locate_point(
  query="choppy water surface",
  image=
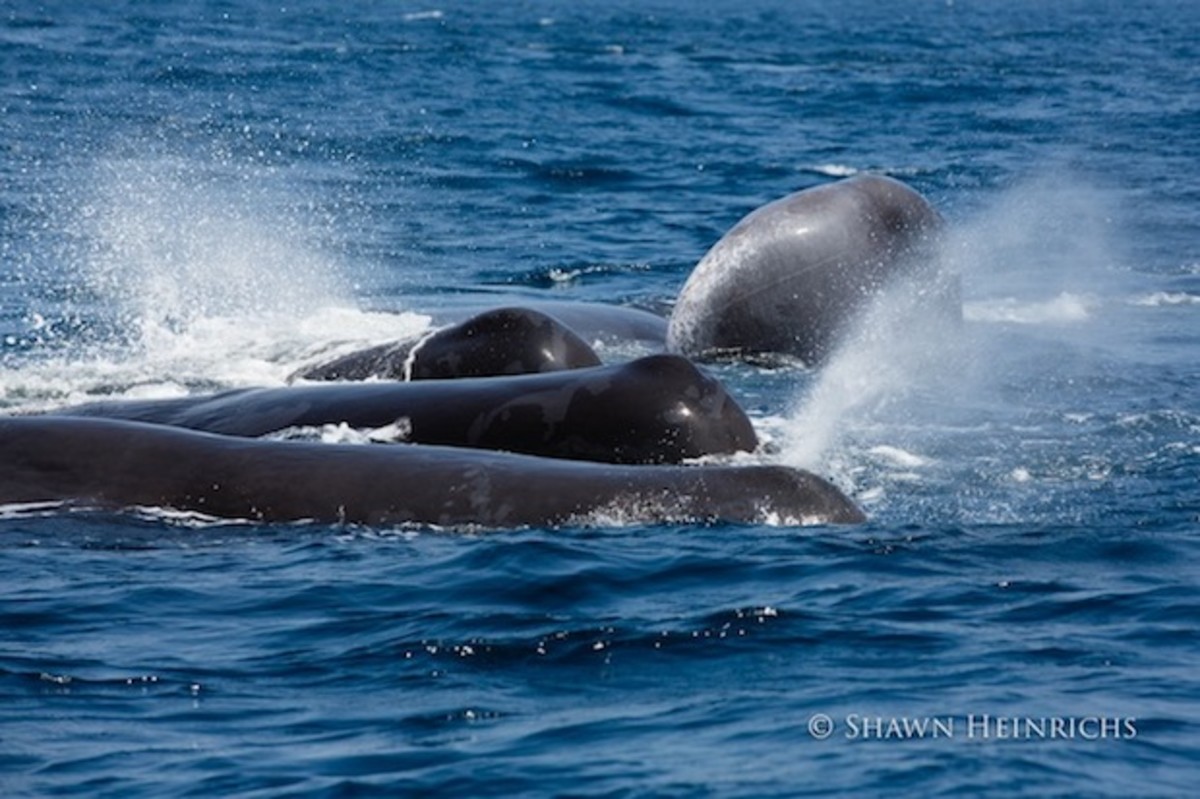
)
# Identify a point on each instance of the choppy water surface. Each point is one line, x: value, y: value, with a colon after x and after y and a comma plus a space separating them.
x: 205, y: 195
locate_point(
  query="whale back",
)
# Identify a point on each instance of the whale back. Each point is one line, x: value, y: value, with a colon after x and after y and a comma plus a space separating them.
x: 790, y: 276
x: 503, y: 341
x: 497, y: 341
x: 114, y: 464
x: 656, y: 409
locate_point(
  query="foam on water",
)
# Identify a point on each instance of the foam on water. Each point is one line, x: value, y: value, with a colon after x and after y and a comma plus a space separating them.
x: 1159, y: 299
x: 397, y: 432
x: 834, y: 170
x: 211, y: 353
x: 899, y: 456
x: 1066, y: 308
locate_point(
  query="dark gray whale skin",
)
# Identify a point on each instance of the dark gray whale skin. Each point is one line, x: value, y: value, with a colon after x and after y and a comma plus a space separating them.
x: 500, y: 341
x: 791, y: 276
x: 603, y: 322
x: 656, y: 409
x: 114, y: 465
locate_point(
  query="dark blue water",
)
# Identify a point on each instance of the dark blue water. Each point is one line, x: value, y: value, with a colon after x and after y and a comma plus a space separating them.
x: 196, y: 195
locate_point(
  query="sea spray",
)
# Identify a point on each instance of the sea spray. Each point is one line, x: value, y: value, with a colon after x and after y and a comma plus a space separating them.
x: 173, y: 240
x: 185, y: 273
x: 1038, y: 269
x: 896, y: 343
x: 1045, y: 236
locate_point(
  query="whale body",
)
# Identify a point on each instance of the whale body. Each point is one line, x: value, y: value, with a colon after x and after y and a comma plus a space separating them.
x: 499, y: 341
x: 534, y: 430
x: 114, y: 465
x: 656, y: 409
x: 792, y: 276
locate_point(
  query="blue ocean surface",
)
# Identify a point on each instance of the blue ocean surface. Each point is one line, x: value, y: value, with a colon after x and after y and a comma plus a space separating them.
x: 202, y: 195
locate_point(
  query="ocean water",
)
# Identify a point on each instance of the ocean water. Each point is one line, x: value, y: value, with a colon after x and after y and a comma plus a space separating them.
x: 197, y: 195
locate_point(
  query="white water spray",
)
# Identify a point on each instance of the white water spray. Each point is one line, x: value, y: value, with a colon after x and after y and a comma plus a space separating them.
x: 175, y: 241
x: 199, y: 273
x: 1036, y: 259
x: 898, y: 341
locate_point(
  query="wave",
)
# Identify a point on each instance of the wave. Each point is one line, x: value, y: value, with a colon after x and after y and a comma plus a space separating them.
x: 899, y: 457
x: 834, y: 170
x: 419, y: 16
x: 1160, y: 299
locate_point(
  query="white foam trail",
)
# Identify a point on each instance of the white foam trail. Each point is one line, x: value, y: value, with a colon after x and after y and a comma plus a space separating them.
x: 212, y: 353
x: 417, y: 16
x: 397, y: 432
x: 1166, y: 298
x: 1066, y: 308
x: 899, y: 457
x: 835, y: 170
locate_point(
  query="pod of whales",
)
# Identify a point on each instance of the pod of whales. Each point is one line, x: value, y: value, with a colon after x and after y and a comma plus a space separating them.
x: 788, y: 279
x: 656, y: 409
x: 500, y: 341
x: 545, y: 336
x: 580, y: 440
x: 109, y: 464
